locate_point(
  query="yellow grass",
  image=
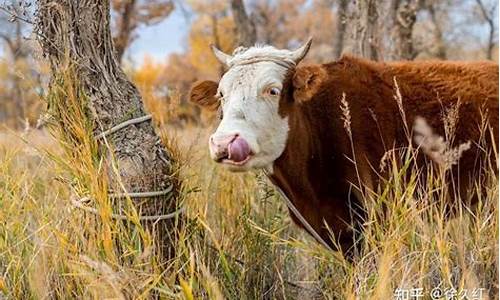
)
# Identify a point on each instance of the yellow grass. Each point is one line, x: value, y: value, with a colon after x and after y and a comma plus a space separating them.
x: 239, y: 242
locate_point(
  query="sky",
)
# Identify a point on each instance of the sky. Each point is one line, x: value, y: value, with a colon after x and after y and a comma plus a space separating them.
x: 160, y: 40
x: 170, y: 35
x: 156, y: 41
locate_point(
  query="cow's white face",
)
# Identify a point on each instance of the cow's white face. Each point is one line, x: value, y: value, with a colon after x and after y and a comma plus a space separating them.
x: 249, y: 96
x: 252, y: 134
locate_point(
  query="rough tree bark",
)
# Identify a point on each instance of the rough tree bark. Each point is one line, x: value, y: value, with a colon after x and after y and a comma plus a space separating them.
x: 77, y: 33
x: 404, y: 16
x: 247, y: 35
x: 338, y: 43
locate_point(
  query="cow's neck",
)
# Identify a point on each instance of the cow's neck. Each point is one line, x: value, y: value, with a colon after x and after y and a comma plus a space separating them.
x: 302, y: 158
x: 303, y: 149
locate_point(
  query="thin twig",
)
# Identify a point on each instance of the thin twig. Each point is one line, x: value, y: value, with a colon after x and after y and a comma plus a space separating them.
x: 16, y: 16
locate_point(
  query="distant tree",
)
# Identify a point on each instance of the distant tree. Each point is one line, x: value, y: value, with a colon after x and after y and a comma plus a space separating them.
x: 488, y: 15
x: 11, y: 31
x: 371, y: 45
x: 213, y: 25
x: 128, y: 15
x: 275, y: 21
x: 18, y: 100
x: 179, y: 73
x: 366, y: 34
x: 287, y: 23
x: 338, y: 44
x: 245, y: 27
x: 438, y: 39
x: 404, y: 16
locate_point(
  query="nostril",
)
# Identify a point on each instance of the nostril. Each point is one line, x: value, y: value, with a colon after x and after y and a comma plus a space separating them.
x: 228, y: 146
x: 221, y: 154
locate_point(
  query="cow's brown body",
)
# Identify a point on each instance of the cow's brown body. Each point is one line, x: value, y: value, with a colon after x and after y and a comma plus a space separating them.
x: 315, y: 170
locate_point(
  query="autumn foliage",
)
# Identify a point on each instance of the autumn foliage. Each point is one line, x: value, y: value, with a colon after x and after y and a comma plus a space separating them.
x: 436, y: 29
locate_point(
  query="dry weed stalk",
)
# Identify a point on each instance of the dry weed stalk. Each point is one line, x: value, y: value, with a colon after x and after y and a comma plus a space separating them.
x: 399, y: 100
x: 104, y: 275
x: 386, y: 158
x: 346, y: 115
x: 450, y: 121
x: 435, y: 145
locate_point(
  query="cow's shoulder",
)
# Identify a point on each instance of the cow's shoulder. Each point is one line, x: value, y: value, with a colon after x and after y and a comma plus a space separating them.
x: 348, y: 72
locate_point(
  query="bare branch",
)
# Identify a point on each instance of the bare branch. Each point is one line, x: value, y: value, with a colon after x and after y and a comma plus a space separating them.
x: 15, y: 16
x: 488, y: 17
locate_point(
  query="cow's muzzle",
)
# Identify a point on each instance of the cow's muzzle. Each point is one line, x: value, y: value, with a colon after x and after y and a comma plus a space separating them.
x: 232, y: 149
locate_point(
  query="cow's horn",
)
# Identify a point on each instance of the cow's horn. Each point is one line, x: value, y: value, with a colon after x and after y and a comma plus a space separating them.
x: 300, y: 53
x: 222, y: 57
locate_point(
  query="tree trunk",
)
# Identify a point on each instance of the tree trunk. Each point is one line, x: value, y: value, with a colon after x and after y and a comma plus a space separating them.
x: 77, y: 34
x: 438, y: 32
x: 404, y: 15
x: 19, y: 54
x: 16, y: 47
x: 372, y: 45
x: 122, y: 39
x: 338, y: 44
x: 245, y: 27
x: 366, y: 32
x: 488, y: 18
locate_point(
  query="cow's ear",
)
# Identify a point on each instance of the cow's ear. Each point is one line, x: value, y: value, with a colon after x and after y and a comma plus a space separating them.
x: 203, y: 94
x: 307, y: 81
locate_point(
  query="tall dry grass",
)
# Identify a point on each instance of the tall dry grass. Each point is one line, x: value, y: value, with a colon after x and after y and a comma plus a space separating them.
x: 239, y: 242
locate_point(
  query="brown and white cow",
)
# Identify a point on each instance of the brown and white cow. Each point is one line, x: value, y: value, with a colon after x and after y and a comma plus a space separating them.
x: 288, y: 120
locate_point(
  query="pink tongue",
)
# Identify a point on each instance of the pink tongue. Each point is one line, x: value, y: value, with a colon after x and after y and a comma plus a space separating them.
x: 238, y: 150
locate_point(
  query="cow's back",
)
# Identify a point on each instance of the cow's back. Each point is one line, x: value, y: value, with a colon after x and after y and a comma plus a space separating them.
x: 433, y: 90
x: 428, y: 89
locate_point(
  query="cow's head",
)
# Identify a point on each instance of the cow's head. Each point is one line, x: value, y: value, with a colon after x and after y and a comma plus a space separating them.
x: 252, y: 133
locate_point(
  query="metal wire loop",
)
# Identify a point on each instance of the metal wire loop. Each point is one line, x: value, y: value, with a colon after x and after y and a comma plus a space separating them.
x: 79, y: 203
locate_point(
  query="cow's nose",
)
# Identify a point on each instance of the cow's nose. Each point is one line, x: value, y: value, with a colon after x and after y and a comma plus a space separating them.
x: 219, y: 146
x: 232, y: 147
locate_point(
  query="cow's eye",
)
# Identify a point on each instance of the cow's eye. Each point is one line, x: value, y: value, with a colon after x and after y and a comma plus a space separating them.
x: 274, y: 91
